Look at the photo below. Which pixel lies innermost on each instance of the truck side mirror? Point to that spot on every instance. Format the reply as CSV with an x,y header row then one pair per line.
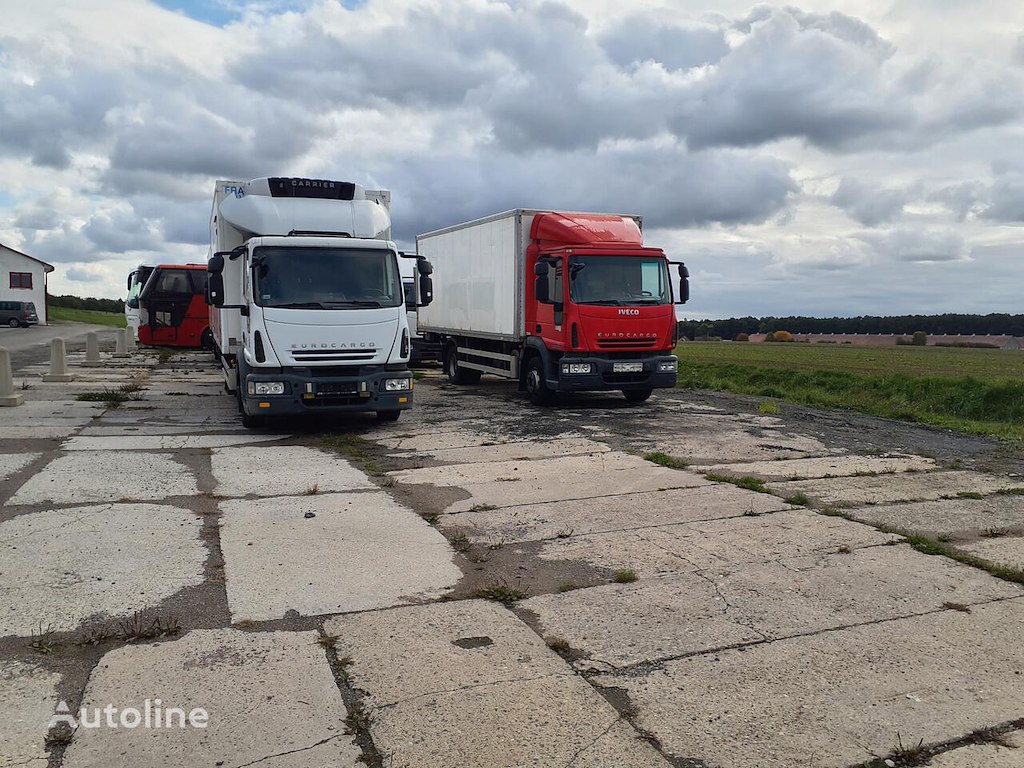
x,y
684,284
423,266
216,264
215,290
426,289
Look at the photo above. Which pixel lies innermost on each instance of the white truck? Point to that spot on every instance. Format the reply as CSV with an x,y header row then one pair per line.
x,y
307,306
136,281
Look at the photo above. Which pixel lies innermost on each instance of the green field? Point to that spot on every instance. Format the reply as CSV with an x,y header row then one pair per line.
x,y
67,315
973,390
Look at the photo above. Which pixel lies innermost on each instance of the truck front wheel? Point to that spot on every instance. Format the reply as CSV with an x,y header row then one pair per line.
x,y
536,387
455,372
637,395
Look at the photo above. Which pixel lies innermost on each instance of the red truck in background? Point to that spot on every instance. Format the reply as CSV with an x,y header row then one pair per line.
x,y
561,302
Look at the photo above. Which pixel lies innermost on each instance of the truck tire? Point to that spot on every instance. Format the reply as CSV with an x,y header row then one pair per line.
x,y
455,372
536,387
253,422
637,395
388,415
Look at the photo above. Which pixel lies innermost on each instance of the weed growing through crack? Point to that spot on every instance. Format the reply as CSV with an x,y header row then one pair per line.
x,y
359,719
43,641
564,533
25,386
432,518
995,533
559,645
657,457
909,753
769,407
114,396
482,508
313,490
969,495
138,628
509,479
844,549
747,482
798,499
327,641
58,736
568,586
459,540
496,545
624,576
501,591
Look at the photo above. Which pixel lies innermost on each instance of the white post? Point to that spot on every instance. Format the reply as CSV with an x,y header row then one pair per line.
x,y
8,398
92,348
58,363
132,337
121,345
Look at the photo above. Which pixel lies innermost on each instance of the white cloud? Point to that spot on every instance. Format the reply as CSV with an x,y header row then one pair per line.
x,y
832,155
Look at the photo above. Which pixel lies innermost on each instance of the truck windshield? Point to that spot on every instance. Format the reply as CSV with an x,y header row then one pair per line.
x,y
326,278
618,280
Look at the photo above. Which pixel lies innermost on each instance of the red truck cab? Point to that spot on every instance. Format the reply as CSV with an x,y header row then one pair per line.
x,y
602,304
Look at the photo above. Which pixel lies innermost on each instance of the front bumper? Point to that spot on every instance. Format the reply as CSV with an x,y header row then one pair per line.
x,y
603,375
308,392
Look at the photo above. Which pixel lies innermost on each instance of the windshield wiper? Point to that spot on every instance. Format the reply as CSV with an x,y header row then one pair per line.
x,y
297,305
604,302
355,303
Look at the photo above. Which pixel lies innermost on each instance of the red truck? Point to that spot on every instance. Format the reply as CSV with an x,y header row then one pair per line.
x,y
561,302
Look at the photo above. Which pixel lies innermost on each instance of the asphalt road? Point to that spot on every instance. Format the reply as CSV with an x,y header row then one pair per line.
x,y
30,346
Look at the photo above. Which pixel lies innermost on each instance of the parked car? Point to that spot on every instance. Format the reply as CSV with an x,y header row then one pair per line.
x,y
15,313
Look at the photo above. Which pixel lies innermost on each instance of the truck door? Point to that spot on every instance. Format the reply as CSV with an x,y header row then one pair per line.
x,y
549,320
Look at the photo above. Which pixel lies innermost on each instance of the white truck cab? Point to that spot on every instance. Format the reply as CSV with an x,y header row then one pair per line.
x,y
307,303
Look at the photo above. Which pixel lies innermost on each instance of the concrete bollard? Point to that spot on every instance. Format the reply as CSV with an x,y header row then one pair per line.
x,y
121,344
132,339
58,363
8,398
92,348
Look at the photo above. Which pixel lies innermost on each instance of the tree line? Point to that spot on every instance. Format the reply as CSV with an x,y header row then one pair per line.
x,y
982,325
74,302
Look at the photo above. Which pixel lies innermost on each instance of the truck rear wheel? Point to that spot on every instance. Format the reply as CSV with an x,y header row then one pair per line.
x,y
637,395
455,372
536,387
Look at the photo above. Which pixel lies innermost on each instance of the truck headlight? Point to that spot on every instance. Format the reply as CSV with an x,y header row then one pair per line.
x,y
266,387
577,368
668,367
397,385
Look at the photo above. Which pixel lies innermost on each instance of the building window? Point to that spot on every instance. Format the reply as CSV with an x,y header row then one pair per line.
x,y
21,279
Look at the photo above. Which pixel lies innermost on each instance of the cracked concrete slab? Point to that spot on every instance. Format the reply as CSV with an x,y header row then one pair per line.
x,y
708,443
682,614
716,544
270,698
128,442
1002,550
948,517
10,463
61,567
509,483
467,683
28,697
356,552
518,450
51,413
839,697
888,489
550,520
283,470
822,467
98,476
1007,754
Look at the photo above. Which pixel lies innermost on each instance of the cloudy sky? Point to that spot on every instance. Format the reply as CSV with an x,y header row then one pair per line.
x,y
821,158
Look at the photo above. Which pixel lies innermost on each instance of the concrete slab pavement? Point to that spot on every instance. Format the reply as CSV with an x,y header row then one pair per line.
x,y
822,467
283,470
467,684
887,489
839,697
28,696
269,698
59,568
355,552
